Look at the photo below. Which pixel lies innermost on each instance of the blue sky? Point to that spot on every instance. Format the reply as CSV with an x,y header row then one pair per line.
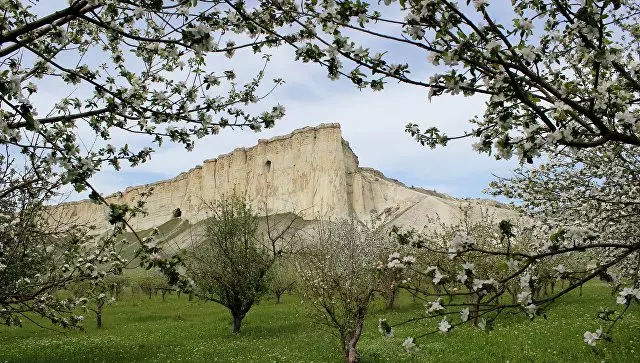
x,y
372,122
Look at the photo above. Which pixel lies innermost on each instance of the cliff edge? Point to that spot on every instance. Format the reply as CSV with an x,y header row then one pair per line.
x,y
311,171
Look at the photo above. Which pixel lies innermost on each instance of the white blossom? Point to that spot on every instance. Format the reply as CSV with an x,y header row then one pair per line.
x,y
480,3
591,338
408,345
435,307
444,325
531,309
464,314
438,276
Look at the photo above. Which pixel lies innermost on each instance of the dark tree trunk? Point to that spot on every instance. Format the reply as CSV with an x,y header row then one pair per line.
x,y
237,323
279,296
99,315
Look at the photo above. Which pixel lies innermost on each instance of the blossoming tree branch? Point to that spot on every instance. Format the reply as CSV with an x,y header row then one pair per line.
x,y
91,84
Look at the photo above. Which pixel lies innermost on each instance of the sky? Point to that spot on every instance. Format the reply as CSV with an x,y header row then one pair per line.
x,y
372,122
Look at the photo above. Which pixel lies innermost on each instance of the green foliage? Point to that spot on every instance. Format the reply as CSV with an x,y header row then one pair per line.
x,y
229,260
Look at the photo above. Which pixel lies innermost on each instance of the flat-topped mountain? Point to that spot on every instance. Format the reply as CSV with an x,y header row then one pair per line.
x,y
311,171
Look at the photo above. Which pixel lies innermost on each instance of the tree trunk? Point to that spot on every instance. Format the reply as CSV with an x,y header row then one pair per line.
x,y
99,315
391,295
278,296
351,354
476,310
237,323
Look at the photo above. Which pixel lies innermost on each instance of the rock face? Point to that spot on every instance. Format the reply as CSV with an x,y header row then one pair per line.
x,y
312,172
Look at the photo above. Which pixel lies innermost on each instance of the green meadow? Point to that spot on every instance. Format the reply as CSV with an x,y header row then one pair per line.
x,y
139,329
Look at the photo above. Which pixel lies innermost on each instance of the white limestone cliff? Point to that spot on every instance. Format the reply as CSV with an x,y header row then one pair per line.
x,y
311,171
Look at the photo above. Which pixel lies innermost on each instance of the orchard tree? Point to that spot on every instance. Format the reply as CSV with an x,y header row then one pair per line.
x,y
481,264
41,255
230,259
137,68
282,277
470,282
339,276
91,84
588,199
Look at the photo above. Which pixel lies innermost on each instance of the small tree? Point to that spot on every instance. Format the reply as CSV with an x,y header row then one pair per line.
x,y
339,277
283,278
230,259
151,283
100,300
78,70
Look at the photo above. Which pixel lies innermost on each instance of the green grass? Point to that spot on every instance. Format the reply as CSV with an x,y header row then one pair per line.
x,y
175,330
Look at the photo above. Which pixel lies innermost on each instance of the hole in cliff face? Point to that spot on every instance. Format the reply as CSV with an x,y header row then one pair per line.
x,y
177,213
267,165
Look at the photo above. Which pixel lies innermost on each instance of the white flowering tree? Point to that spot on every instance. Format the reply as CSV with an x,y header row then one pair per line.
x,y
554,73
475,284
95,295
92,84
41,255
588,200
339,276
230,259
577,229
119,67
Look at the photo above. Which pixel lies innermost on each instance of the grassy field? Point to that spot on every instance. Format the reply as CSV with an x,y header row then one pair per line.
x,y
176,330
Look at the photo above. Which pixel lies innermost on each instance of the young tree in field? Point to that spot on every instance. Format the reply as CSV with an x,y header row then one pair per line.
x,y
282,278
150,283
339,276
230,259
91,84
